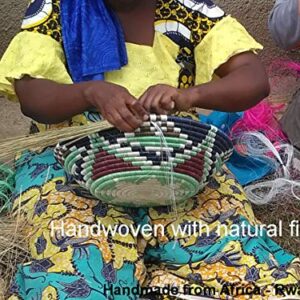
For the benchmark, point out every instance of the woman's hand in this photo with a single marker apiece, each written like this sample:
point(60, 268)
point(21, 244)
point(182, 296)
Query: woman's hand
point(116, 105)
point(242, 84)
point(49, 102)
point(163, 99)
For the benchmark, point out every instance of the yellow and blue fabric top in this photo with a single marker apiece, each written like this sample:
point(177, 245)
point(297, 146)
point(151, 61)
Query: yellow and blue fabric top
point(192, 39)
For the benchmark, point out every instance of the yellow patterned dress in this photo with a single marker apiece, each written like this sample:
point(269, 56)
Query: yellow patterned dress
point(192, 39)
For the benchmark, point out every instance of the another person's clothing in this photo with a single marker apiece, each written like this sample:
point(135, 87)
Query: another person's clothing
point(284, 23)
point(192, 39)
point(290, 121)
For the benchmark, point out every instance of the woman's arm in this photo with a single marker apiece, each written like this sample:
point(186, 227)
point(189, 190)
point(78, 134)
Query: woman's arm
point(243, 83)
point(284, 23)
point(49, 102)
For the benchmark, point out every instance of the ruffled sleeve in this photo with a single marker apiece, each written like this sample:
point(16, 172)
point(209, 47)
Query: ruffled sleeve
point(34, 54)
point(226, 39)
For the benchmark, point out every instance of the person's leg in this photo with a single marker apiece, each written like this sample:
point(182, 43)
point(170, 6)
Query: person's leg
point(208, 257)
point(71, 258)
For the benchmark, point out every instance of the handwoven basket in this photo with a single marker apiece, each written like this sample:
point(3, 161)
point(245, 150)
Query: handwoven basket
point(167, 159)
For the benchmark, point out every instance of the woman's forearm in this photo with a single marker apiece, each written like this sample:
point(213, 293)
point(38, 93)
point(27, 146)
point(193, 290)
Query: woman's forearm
point(238, 91)
point(240, 88)
point(49, 102)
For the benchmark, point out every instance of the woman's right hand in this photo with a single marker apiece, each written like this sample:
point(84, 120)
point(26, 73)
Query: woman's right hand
point(116, 105)
point(49, 102)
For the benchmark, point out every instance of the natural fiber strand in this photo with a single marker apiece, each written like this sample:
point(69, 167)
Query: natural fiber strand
point(281, 158)
point(6, 187)
point(170, 178)
point(13, 249)
point(261, 118)
point(11, 146)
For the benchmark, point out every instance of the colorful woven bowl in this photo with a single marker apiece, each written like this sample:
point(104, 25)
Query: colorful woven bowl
point(144, 168)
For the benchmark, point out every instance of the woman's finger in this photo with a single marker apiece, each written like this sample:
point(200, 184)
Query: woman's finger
point(127, 115)
point(121, 123)
point(157, 107)
point(108, 117)
point(146, 99)
point(139, 110)
point(167, 103)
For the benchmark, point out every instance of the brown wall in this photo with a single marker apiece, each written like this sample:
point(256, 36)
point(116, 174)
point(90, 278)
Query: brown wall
point(252, 13)
point(12, 123)
point(254, 16)
point(11, 13)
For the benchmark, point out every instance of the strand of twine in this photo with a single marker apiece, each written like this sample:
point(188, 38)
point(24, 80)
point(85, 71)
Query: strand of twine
point(11, 146)
point(258, 145)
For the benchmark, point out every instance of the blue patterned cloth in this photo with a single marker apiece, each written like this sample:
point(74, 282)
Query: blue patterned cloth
point(71, 267)
point(92, 35)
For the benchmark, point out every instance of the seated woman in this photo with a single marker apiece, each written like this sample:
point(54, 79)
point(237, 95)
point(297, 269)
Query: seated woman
point(74, 60)
point(284, 24)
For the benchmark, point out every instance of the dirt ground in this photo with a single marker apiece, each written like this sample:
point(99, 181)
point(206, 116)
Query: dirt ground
point(12, 122)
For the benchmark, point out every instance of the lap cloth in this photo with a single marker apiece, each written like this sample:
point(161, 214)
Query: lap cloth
point(91, 265)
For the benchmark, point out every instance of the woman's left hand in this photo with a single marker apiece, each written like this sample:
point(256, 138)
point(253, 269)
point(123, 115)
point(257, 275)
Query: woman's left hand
point(163, 99)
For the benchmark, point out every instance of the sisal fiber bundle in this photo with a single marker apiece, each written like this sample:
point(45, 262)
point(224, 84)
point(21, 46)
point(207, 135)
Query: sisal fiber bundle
point(13, 249)
point(11, 146)
point(281, 158)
